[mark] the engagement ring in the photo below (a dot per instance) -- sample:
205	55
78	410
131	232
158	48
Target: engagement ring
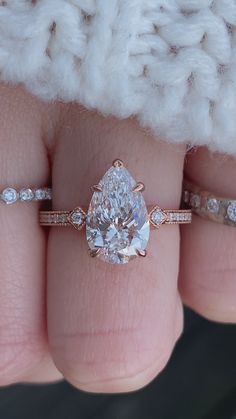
117	221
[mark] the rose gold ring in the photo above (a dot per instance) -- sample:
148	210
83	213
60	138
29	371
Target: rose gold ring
209	206
117	220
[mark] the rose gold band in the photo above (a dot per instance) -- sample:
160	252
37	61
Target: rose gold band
77	217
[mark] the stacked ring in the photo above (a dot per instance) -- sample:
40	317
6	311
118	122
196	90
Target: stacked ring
209	206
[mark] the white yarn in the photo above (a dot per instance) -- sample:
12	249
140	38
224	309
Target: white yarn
170	62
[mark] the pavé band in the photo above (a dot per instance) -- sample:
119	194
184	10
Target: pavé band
117	220
209	206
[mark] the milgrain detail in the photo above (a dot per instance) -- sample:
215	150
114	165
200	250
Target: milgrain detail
77	217
172	62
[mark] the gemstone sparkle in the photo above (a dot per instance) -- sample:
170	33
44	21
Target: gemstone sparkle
117	220
9	195
77	218
213	205
231	211
26	194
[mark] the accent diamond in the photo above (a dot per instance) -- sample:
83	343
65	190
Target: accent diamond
195	201
158	217
117	219
186	195
231	211
26	194
213	205
9	195
40	194
77	218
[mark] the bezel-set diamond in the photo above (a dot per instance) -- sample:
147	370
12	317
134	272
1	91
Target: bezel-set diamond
11	195
186	196
77	218
231	211
117	223
208	206
26	194
157	217
43	193
213	205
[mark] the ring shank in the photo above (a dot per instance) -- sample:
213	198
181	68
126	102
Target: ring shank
63	218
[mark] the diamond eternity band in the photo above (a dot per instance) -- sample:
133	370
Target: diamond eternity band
209	206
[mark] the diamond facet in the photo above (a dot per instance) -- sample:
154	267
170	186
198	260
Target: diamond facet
26	194
117	219
231	211
9	195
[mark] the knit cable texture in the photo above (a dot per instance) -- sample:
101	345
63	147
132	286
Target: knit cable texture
171	63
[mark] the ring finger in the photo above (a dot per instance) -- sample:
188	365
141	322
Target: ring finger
112	328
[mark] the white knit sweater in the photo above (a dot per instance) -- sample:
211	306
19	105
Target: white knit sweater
172	63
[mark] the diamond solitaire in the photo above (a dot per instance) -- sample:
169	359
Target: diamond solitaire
117	220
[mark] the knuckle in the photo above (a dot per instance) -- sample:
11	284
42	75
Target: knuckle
109	369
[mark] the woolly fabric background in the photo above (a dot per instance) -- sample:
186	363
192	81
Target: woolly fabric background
170	62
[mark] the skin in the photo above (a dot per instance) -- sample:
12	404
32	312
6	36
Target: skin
62	314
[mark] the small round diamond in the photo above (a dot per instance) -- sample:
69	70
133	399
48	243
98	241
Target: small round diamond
195	201
9	195
77	217
26	194
62	218
213	205
40	194
231	211
48	194
158	217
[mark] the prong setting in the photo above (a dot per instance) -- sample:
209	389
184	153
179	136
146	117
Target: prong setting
142	253
94	253
139	187
96	188
118	163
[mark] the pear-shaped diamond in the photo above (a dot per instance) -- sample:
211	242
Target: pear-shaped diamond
117	224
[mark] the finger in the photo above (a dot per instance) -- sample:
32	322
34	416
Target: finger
112	328
208	263
23	162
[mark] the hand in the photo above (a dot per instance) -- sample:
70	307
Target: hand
106	328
